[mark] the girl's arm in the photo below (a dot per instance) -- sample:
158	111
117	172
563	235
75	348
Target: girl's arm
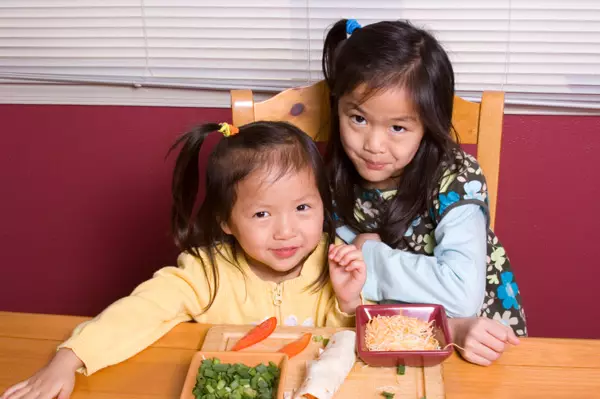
133	323
453	277
125	328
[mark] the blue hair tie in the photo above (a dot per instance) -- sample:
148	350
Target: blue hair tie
351	26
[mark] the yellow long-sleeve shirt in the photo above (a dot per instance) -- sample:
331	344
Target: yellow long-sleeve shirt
178	294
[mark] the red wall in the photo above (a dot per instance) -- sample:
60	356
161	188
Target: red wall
85	208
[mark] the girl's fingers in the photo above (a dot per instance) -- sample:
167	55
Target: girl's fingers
65	393
493	342
12	389
357	265
476	359
498	330
350	257
481	350
512	337
333	251
341	252
503	333
20	393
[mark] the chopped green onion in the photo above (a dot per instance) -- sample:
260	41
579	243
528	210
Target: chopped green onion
325	341
216	380
388	395
401	369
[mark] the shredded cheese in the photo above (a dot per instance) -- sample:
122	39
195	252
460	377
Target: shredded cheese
399	333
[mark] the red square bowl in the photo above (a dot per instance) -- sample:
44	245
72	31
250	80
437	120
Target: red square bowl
408	358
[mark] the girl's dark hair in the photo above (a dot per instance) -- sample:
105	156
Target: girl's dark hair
276	146
381	56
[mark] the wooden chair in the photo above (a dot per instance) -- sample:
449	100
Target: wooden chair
308	108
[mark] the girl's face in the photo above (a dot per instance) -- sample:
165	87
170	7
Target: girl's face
278	221
380	135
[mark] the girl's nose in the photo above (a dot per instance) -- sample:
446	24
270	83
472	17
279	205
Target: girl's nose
284	229
374	142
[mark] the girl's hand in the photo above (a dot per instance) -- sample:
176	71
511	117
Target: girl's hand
483	339
348	274
361	238
55	380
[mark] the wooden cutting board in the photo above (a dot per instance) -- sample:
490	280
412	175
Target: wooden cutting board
362	382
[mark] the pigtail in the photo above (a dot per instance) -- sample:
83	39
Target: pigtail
184	187
185	225
335	36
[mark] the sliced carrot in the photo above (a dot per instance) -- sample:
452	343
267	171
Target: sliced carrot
293	348
257	334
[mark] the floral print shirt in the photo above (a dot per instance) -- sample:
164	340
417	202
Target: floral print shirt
467	185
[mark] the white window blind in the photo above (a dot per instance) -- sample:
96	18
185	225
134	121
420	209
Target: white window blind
540	52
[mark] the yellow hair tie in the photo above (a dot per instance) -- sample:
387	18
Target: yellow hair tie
228	130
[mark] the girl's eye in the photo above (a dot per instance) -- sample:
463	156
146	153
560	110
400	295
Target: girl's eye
303	207
261	214
359	120
398	129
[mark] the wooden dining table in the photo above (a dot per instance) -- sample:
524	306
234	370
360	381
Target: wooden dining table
537	368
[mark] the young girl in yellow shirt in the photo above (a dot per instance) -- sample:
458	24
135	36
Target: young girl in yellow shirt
253	249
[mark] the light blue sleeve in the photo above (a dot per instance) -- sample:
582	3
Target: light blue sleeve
453	277
346	234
